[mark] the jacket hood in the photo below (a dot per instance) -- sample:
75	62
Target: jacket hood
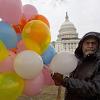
78	51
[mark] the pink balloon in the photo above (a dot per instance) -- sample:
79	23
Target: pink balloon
47	76
11	11
29	11
34	86
7	64
20	46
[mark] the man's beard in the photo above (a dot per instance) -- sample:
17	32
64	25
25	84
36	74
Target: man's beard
89	52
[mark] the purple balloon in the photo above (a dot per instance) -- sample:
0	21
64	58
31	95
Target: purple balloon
11	11
34	86
29	11
47	76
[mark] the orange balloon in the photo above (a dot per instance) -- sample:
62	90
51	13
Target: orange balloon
19	27
36	36
42	18
23	21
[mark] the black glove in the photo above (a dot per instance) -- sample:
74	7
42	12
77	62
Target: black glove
58	78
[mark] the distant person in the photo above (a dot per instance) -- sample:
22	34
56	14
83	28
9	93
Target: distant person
84	82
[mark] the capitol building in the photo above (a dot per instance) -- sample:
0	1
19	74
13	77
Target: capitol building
67	39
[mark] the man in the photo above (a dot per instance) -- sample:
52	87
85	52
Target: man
84	82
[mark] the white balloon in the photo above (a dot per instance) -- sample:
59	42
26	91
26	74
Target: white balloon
28	64
64	63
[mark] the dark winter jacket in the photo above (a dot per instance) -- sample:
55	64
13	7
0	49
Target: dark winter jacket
84	81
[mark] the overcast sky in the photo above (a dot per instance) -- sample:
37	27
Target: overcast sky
84	14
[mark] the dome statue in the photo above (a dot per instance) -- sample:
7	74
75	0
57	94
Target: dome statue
67	38
67	29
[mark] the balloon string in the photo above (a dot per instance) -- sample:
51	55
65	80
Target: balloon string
59	93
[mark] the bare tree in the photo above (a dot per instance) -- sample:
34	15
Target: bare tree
58	2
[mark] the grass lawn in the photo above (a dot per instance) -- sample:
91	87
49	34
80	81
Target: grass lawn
48	93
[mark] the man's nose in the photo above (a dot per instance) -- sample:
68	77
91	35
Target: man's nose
90	44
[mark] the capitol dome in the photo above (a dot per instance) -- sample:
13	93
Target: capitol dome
67	29
67	39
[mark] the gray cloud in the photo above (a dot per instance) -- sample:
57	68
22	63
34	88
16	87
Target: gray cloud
84	14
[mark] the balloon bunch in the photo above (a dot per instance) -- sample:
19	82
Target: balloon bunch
25	50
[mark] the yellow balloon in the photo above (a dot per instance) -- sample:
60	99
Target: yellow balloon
3	51
36	35
11	86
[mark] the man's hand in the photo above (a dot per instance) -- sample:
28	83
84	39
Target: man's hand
58	78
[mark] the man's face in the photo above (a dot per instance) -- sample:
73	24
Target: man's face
89	46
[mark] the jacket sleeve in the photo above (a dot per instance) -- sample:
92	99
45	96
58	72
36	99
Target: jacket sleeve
82	87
